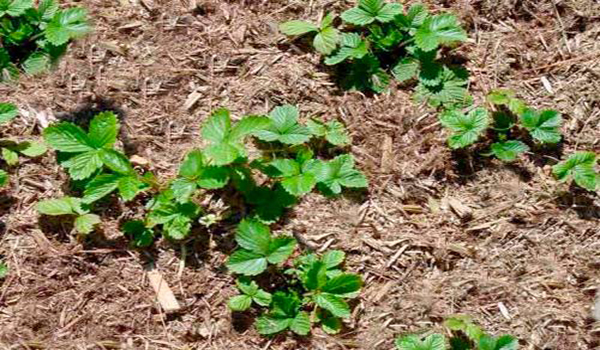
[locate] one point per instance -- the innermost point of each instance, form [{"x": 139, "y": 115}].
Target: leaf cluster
[
  {"x": 510, "y": 118},
  {"x": 33, "y": 39},
  {"x": 315, "y": 290},
  {"x": 379, "y": 41},
  {"x": 9, "y": 150},
  {"x": 465, "y": 336},
  {"x": 581, "y": 167}
]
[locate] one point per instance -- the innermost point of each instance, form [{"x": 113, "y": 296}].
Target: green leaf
[
  {"x": 240, "y": 302},
  {"x": 316, "y": 276},
  {"x": 338, "y": 173},
  {"x": 500, "y": 96},
  {"x": 141, "y": 235},
  {"x": 300, "y": 324},
  {"x": 334, "y": 131},
  {"x": 60, "y": 206},
  {"x": 15, "y": 8},
  {"x": 345, "y": 284},
  {"x": 326, "y": 40},
  {"x": 253, "y": 236},
  {"x": 414, "y": 342},
  {"x": 36, "y": 63},
  {"x": 357, "y": 16},
  {"x": 100, "y": 186},
  {"x": 32, "y": 149},
  {"x": 509, "y": 150},
  {"x": 3, "y": 270},
  {"x": 465, "y": 324},
  {"x": 218, "y": 126},
  {"x": 280, "y": 249},
  {"x": 543, "y": 126},
  {"x": 129, "y": 187},
  {"x": 466, "y": 128},
  {"x": 67, "y": 137},
  {"x": 103, "y": 130},
  {"x": 334, "y": 304},
  {"x": 248, "y": 126},
  {"x": 580, "y": 166},
  {"x": 223, "y": 153},
  {"x": 406, "y": 69},
  {"x": 83, "y": 165},
  {"x": 299, "y": 185},
  {"x": 439, "y": 30},
  {"x": 8, "y": 112},
  {"x": 247, "y": 263},
  {"x": 262, "y": 298},
  {"x": 10, "y": 157},
  {"x": 369, "y": 11},
  {"x": 333, "y": 258},
  {"x": 48, "y": 9},
  {"x": 84, "y": 224},
  {"x": 66, "y": 25},
  {"x": 213, "y": 178},
  {"x": 297, "y": 27},
  {"x": 116, "y": 162},
  {"x": 267, "y": 325},
  {"x": 284, "y": 127},
  {"x": 329, "y": 323},
  {"x": 3, "y": 178},
  {"x": 192, "y": 165},
  {"x": 183, "y": 189},
  {"x": 507, "y": 342}
]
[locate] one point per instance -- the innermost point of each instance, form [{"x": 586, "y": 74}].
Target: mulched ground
[{"x": 525, "y": 261}]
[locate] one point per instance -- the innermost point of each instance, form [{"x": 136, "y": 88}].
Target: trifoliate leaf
[
  {"x": 466, "y": 128},
  {"x": 543, "y": 126},
  {"x": 240, "y": 302},
  {"x": 66, "y": 25},
  {"x": 338, "y": 173},
  {"x": 333, "y": 131},
  {"x": 284, "y": 127},
  {"x": 67, "y": 137},
  {"x": 439, "y": 30},
  {"x": 103, "y": 130},
  {"x": 3, "y": 178},
  {"x": 284, "y": 313},
  {"x": 352, "y": 47},
  {"x": 8, "y": 111},
  {"x": 581, "y": 167},
  {"x": 414, "y": 342},
  {"x": 333, "y": 303},
  {"x": 369, "y": 11},
  {"x": 297, "y": 27},
  {"x": 449, "y": 92},
  {"x": 84, "y": 224},
  {"x": 14, "y": 8},
  {"x": 509, "y": 150}
]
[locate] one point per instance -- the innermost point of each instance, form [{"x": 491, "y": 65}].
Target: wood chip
[
  {"x": 193, "y": 98},
  {"x": 387, "y": 154},
  {"x": 547, "y": 85},
  {"x": 462, "y": 211},
  {"x": 504, "y": 310},
  {"x": 164, "y": 294}
]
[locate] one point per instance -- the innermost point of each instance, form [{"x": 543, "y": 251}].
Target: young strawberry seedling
[
  {"x": 34, "y": 39},
  {"x": 511, "y": 118},
  {"x": 466, "y": 335},
  {"x": 379, "y": 40},
  {"x": 10, "y": 150}
]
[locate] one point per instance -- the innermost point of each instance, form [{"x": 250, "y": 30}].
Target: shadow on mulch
[{"x": 580, "y": 201}]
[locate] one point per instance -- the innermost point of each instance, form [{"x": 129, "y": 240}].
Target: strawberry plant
[
  {"x": 34, "y": 39},
  {"x": 315, "y": 291},
  {"x": 511, "y": 118},
  {"x": 465, "y": 336},
  {"x": 378, "y": 41},
  {"x": 10, "y": 150},
  {"x": 84, "y": 221},
  {"x": 581, "y": 167}
]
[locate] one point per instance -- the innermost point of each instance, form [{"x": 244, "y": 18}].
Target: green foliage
[
  {"x": 175, "y": 217},
  {"x": 258, "y": 248},
  {"x": 581, "y": 167},
  {"x": 379, "y": 40},
  {"x": 34, "y": 39},
  {"x": 466, "y": 128},
  {"x": 326, "y": 36},
  {"x": 543, "y": 126},
  {"x": 284, "y": 127},
  {"x": 465, "y": 335},
  {"x": 251, "y": 292},
  {"x": 3, "y": 270},
  {"x": 509, "y": 150},
  {"x": 333, "y": 131},
  {"x": 84, "y": 221}
]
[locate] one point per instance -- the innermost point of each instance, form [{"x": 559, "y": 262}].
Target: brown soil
[{"x": 526, "y": 263}]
